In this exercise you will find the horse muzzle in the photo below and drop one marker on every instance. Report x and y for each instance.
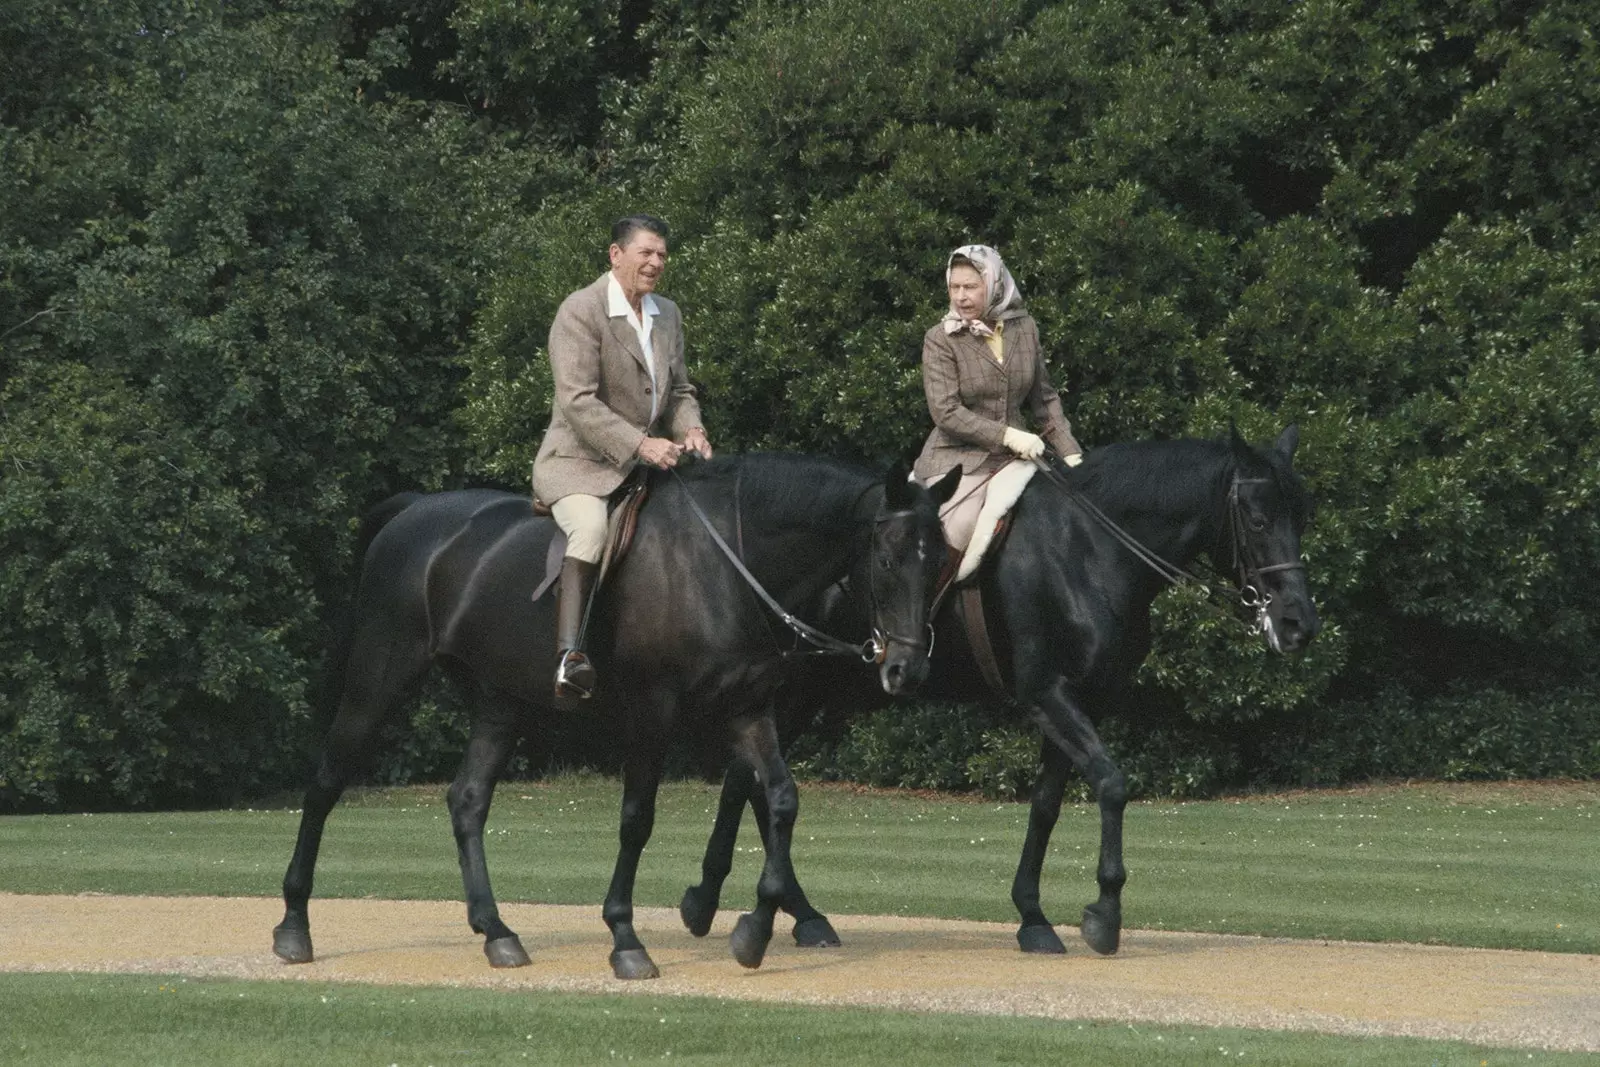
(1290, 624)
(902, 662)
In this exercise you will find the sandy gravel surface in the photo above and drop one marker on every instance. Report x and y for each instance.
(1520, 999)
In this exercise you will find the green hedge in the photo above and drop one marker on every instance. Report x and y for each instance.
(263, 264)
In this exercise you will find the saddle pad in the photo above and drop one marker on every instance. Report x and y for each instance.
(999, 496)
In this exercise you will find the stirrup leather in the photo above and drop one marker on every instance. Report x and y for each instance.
(575, 675)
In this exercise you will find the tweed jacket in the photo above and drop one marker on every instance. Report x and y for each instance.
(601, 410)
(973, 399)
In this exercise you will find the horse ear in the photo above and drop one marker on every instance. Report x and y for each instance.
(1241, 447)
(945, 487)
(1288, 440)
(897, 488)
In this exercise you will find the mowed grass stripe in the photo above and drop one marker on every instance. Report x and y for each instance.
(1496, 866)
(93, 1020)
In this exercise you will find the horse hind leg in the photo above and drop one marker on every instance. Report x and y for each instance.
(494, 734)
(700, 902)
(378, 681)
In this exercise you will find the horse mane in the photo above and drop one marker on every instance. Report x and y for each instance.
(1158, 476)
(790, 489)
(1139, 477)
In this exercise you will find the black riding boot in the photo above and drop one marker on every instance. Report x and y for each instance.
(575, 677)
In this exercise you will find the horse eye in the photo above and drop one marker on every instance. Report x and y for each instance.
(1257, 523)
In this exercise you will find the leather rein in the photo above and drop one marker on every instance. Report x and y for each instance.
(873, 650)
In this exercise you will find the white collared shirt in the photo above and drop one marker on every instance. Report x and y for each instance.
(617, 305)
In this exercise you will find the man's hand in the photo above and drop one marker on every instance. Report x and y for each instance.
(659, 452)
(695, 441)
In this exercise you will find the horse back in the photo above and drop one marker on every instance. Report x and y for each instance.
(464, 564)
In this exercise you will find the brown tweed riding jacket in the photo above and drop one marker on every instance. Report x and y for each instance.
(973, 398)
(603, 396)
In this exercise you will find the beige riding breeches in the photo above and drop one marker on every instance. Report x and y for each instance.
(583, 519)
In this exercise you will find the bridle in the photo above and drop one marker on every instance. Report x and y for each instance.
(878, 644)
(873, 650)
(1251, 592)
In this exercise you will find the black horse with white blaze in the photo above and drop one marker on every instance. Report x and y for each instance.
(684, 644)
(1070, 595)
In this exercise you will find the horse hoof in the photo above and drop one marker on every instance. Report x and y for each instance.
(633, 964)
(1041, 939)
(1101, 934)
(291, 946)
(816, 933)
(506, 952)
(696, 912)
(748, 943)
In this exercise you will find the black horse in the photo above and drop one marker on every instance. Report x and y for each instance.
(683, 643)
(1072, 599)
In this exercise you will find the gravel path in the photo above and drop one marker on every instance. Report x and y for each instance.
(1514, 999)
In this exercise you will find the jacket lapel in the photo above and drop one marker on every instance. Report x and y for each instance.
(623, 331)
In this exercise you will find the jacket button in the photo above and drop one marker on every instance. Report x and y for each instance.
(648, 390)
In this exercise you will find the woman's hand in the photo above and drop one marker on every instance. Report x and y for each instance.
(1026, 445)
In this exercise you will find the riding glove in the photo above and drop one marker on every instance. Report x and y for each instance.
(1026, 445)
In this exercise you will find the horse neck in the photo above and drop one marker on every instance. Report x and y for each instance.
(798, 544)
(1169, 495)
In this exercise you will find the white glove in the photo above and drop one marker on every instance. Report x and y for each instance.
(1026, 445)
(1073, 460)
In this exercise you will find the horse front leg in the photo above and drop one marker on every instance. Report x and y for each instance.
(472, 792)
(700, 902)
(1036, 933)
(758, 745)
(811, 928)
(1065, 725)
(641, 779)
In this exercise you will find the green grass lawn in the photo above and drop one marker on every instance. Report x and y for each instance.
(1512, 866)
(89, 1020)
(1502, 866)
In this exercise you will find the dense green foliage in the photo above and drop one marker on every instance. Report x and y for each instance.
(263, 263)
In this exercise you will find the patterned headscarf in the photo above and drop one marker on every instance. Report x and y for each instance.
(1004, 298)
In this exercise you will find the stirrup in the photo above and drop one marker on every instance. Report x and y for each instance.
(575, 675)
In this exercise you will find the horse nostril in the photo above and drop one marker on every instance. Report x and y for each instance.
(894, 677)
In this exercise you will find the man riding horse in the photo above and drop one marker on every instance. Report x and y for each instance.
(622, 397)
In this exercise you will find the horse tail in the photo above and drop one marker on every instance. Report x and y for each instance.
(341, 621)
